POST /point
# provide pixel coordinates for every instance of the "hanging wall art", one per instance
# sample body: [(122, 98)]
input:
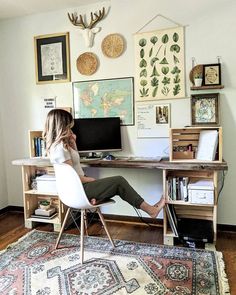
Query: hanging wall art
[(159, 64)]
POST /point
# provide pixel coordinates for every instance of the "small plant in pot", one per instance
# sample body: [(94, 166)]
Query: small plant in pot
[(44, 204), (198, 79)]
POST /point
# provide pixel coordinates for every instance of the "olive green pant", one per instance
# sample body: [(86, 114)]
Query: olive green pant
[(106, 188)]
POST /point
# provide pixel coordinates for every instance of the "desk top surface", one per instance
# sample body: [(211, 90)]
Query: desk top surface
[(124, 163)]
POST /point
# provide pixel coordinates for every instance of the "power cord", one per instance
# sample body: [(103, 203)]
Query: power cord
[(222, 184), (141, 218)]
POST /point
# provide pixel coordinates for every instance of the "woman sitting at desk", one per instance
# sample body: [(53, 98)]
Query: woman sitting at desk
[(61, 146)]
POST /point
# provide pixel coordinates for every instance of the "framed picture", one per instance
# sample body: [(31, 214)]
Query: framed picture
[(105, 98), (52, 62), (162, 114), (205, 109), (211, 74)]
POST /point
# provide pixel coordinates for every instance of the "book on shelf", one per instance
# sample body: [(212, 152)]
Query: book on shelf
[(172, 218), (178, 188), (43, 216)]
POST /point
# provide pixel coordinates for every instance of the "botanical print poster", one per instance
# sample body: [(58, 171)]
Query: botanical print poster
[(159, 64)]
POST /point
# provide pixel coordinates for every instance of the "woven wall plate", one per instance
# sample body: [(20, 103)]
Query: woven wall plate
[(113, 45), (87, 63), (197, 70)]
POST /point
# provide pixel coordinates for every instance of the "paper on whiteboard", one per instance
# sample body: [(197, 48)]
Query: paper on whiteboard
[(149, 122)]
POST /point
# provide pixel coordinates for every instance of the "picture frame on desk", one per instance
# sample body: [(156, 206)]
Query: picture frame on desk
[(205, 109), (212, 74), (52, 58)]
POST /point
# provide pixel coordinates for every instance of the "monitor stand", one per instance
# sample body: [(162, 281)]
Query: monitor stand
[(94, 155)]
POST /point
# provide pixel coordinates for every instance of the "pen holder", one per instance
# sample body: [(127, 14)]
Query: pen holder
[(183, 155)]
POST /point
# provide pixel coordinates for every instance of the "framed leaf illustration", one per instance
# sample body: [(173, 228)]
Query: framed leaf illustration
[(159, 64)]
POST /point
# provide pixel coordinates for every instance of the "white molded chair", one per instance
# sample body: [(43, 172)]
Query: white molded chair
[(71, 193)]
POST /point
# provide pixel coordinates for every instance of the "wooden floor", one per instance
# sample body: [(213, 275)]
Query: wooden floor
[(12, 228)]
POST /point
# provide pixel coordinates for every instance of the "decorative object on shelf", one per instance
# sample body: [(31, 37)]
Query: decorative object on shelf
[(44, 204), (105, 98), (205, 109), (113, 45), (87, 63), (196, 73), (159, 59), (88, 30), (212, 74), (52, 58), (153, 120)]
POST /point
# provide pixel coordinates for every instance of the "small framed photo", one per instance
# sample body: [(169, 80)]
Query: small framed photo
[(205, 109), (211, 74), (162, 114), (52, 58)]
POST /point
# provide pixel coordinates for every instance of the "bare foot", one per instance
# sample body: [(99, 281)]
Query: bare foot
[(160, 202), (93, 201)]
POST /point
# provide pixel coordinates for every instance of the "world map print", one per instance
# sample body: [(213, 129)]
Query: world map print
[(105, 98)]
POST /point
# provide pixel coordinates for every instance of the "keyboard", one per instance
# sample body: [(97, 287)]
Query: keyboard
[(145, 159)]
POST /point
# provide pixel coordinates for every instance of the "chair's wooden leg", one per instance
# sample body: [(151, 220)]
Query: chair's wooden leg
[(82, 237), (62, 227), (86, 222), (105, 226)]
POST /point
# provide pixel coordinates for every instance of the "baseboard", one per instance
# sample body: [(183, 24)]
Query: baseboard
[(11, 209), (226, 227)]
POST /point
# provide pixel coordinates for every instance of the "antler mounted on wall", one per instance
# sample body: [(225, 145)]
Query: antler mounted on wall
[(88, 31)]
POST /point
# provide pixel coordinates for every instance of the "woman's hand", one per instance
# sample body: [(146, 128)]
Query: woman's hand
[(85, 179)]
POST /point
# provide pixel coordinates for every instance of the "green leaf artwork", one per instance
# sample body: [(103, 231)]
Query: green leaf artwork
[(175, 37), (150, 52), (143, 63), (165, 39), (153, 60), (164, 61), (154, 40), (154, 92), (143, 73), (143, 82), (154, 82), (154, 72), (176, 60), (175, 48), (144, 92), (176, 89), (176, 79), (165, 81), (165, 70), (142, 53), (165, 90), (175, 70), (142, 42)]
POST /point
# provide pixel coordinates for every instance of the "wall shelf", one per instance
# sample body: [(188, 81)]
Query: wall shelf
[(206, 87)]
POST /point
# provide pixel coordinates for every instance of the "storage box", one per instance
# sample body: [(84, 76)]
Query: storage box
[(201, 192), (185, 144), (46, 183)]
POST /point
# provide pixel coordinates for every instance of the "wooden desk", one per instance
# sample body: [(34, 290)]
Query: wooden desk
[(206, 170)]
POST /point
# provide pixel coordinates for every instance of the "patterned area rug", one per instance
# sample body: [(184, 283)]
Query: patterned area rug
[(32, 266)]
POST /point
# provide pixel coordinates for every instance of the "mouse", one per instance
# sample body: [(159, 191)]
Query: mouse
[(109, 157)]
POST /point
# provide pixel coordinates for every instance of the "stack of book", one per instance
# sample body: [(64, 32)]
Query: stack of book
[(178, 188), (45, 214)]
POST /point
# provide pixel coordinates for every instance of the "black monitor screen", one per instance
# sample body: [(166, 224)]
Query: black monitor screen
[(97, 134)]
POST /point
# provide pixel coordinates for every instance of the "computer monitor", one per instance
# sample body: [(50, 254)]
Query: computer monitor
[(97, 134)]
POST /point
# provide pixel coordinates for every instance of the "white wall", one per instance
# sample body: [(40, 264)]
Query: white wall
[(209, 33)]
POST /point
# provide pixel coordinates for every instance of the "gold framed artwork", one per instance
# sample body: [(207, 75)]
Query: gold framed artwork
[(52, 58), (205, 109), (211, 74), (160, 64)]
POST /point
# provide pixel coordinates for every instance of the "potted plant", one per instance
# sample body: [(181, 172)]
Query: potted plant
[(44, 204), (198, 79)]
